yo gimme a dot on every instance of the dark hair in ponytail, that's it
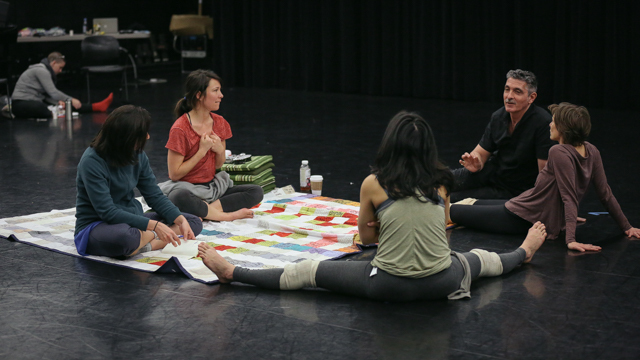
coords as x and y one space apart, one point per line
197 82
407 163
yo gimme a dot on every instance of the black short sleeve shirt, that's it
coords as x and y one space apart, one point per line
516 155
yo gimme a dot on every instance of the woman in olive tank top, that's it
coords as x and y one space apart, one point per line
405 194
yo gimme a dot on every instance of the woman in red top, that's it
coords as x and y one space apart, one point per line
197 144
573 165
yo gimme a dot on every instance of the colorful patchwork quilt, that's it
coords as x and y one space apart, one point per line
286 228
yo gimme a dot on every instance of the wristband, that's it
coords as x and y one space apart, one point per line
154 228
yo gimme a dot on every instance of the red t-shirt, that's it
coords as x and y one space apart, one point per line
186 142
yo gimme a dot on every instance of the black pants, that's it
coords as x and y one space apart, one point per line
478 185
354 278
489 215
235 198
33 109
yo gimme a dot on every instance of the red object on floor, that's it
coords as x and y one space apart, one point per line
103 105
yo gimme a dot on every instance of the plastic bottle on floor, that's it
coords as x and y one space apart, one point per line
305 177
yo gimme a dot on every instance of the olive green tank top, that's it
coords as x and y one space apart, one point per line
412 241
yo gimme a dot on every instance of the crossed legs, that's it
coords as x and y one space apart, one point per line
233 204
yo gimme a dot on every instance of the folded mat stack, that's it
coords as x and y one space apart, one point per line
258 171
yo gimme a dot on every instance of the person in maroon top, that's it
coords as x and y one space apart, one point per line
573 165
196 148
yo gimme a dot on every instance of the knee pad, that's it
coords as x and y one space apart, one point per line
490 263
300 275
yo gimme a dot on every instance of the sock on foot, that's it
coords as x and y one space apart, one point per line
103 105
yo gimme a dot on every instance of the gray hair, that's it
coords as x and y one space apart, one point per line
526 76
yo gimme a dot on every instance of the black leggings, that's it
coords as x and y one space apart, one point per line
489 215
33 109
235 198
354 278
479 185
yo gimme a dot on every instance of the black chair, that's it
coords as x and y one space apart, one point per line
101 54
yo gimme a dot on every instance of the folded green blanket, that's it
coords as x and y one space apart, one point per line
268 188
262 182
255 163
250 178
257 171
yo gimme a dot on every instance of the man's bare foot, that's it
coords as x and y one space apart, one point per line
216 263
536 236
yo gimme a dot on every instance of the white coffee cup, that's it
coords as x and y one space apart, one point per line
316 184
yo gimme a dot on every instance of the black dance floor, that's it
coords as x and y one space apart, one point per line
563 305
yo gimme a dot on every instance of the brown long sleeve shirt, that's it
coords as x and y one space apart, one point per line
559 188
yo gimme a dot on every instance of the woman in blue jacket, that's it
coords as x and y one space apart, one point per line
109 220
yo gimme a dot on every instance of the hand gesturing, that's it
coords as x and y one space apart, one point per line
471 162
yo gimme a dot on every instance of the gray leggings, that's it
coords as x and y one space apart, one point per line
118 240
235 198
353 278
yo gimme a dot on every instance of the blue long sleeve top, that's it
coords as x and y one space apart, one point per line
105 193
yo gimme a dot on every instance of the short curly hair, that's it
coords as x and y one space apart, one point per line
572 122
526 76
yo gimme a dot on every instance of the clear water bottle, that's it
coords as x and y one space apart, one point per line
84 26
305 177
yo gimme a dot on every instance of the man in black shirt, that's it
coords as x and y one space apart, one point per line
514 147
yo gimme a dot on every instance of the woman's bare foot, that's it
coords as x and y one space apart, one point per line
241 214
216 263
536 236
157 244
216 214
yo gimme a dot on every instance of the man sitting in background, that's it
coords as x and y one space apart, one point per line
36 89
